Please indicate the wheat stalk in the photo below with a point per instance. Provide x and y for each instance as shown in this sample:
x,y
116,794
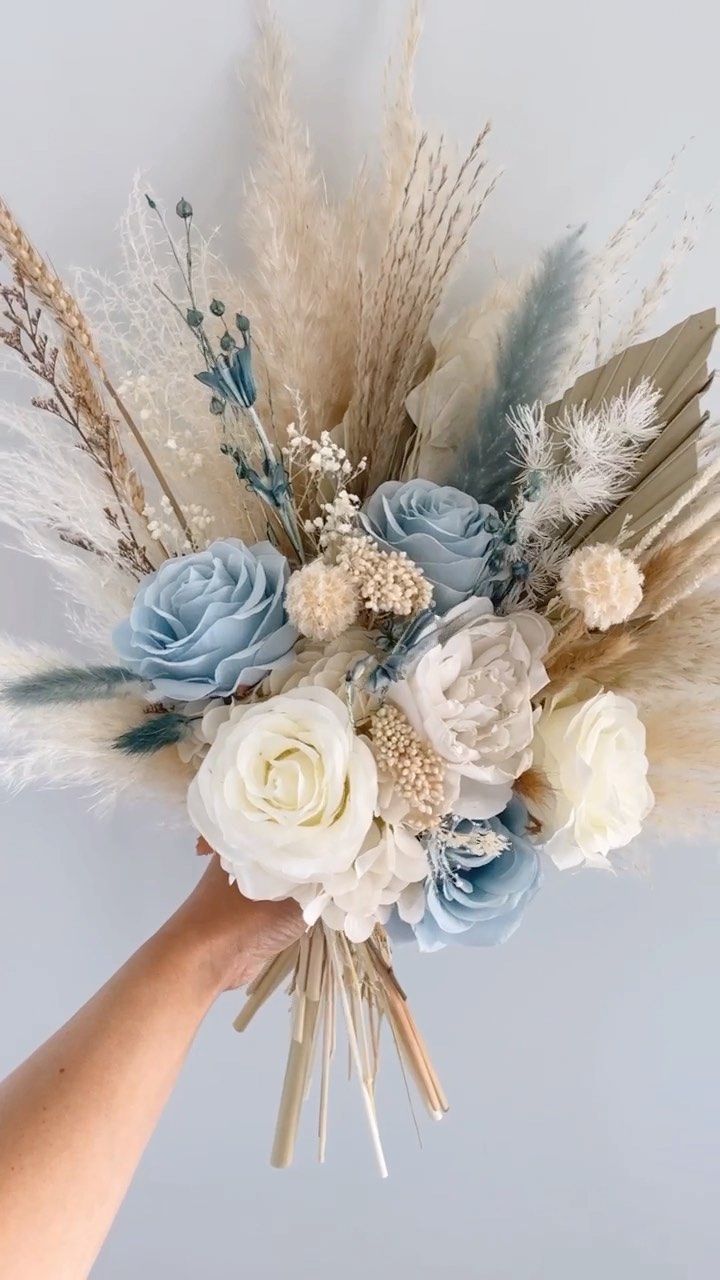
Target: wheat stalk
x,y
45,283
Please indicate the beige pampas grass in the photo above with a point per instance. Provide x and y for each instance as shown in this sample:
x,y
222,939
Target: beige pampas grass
x,y
65,745
683,748
304,291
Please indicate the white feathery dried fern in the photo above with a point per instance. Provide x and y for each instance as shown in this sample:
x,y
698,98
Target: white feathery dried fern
x,y
66,745
582,462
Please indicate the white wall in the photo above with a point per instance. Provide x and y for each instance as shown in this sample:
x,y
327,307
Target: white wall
x,y
581,1059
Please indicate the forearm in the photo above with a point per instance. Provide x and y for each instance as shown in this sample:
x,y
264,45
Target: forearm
x,y
75,1118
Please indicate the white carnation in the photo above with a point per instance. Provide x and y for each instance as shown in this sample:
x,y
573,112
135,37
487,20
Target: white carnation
x,y
471,698
592,752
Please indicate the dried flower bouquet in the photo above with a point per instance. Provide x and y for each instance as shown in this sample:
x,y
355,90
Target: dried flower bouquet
x,y
395,614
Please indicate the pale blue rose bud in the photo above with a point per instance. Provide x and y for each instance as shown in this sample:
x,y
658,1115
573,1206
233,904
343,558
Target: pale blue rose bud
x,y
206,624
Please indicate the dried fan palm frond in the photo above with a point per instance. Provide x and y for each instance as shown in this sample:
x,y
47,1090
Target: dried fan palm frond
x,y
443,407
676,364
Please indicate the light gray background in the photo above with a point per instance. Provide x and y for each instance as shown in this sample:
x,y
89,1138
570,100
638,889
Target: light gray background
x,y
581,1059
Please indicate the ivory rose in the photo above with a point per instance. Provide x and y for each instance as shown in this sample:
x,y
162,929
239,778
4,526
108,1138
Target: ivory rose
x,y
286,793
592,752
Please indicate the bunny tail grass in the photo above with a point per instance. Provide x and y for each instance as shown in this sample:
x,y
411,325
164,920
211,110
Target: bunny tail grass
x,y
67,685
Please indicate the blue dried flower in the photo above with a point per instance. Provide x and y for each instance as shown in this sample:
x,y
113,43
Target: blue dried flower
x,y
232,378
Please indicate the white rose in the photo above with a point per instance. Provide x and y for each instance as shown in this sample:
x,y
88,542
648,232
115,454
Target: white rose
x,y
390,868
593,755
286,793
471,698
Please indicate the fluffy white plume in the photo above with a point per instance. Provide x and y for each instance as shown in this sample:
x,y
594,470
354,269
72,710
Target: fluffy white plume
x,y
64,745
55,498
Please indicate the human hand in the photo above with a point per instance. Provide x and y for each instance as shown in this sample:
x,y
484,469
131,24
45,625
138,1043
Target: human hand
x,y
232,936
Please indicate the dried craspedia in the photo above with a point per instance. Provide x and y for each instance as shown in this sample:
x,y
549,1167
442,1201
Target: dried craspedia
x,y
418,772
321,600
387,581
603,583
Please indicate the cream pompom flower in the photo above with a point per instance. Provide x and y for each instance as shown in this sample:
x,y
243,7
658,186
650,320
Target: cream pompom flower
x,y
321,600
603,583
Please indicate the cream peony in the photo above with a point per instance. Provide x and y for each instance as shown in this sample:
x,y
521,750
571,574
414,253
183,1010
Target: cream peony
x,y
286,793
391,868
471,698
593,755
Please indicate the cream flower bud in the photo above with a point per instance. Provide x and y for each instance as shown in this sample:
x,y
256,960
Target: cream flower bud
x,y
321,600
603,583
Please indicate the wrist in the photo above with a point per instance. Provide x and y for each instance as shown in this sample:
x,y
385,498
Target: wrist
x,y
199,957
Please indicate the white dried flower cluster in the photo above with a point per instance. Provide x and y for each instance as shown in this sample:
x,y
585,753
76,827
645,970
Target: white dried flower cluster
x,y
321,457
141,392
163,527
483,841
418,772
321,600
603,583
320,473
387,581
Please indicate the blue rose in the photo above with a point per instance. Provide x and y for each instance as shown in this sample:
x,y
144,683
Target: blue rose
x,y
204,624
447,533
475,896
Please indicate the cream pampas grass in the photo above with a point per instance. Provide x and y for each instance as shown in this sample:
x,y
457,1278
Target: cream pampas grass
x,y
56,500
71,744
303,289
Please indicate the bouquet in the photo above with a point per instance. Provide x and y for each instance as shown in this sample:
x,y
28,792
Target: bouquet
x,y
398,608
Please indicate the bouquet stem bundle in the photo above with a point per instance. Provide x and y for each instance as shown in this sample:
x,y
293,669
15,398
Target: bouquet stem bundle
x,y
327,970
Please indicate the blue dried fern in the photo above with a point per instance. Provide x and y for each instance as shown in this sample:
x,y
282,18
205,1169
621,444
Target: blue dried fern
x,y
66,685
530,352
155,732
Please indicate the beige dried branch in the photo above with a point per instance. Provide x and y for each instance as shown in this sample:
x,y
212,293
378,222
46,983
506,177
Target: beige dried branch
x,y
442,200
